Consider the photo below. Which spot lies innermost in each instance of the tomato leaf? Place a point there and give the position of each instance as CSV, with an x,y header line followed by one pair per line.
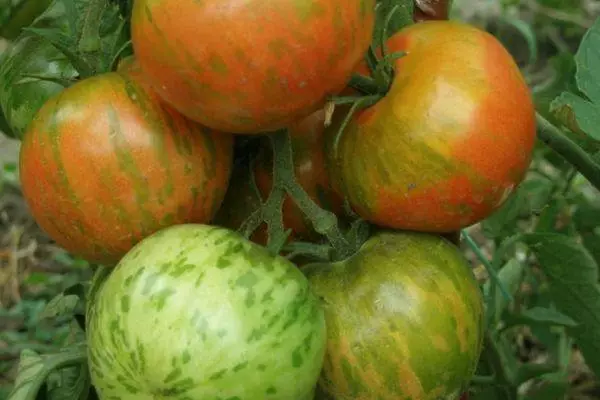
x,y
60,305
588,63
573,276
576,112
34,370
547,316
511,275
73,383
504,221
14,16
90,33
549,215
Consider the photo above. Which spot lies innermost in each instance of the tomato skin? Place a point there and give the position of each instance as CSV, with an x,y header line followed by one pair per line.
x,y
450,141
309,168
250,66
405,320
189,314
104,164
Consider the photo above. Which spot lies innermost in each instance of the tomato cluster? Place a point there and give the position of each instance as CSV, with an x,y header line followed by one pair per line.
x,y
418,139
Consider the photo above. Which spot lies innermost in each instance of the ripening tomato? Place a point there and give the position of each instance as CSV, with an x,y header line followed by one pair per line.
x,y
309,168
449,142
250,66
105,163
405,319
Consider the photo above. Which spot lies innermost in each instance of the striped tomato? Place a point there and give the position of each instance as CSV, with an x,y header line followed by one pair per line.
x,y
104,164
449,142
197,312
250,66
309,168
404,320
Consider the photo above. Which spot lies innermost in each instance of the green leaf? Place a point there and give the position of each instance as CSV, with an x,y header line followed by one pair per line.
x,y
73,384
89,33
60,305
552,387
14,17
549,215
573,276
504,221
511,276
575,112
34,369
547,316
588,63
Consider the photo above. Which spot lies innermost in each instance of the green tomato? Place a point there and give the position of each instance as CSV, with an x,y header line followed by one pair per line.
x,y
31,71
198,312
404,320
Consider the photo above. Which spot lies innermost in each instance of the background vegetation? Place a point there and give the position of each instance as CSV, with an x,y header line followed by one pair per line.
x,y
536,358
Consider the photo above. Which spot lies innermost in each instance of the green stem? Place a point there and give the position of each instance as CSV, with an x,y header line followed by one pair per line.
x,y
364,84
318,251
491,270
569,150
371,59
323,221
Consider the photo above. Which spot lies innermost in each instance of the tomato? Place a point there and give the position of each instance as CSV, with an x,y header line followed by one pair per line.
x,y
198,312
449,142
31,72
250,66
105,163
405,319
309,168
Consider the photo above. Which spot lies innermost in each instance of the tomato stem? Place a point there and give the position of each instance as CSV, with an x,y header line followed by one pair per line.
x,y
569,150
364,84
491,270
323,221
384,32
318,251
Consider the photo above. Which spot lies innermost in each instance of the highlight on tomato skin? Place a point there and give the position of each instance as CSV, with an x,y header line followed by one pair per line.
x,y
448,143
105,163
259,65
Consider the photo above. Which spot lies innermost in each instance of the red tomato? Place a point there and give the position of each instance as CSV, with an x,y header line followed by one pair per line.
x,y
105,163
250,66
449,142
